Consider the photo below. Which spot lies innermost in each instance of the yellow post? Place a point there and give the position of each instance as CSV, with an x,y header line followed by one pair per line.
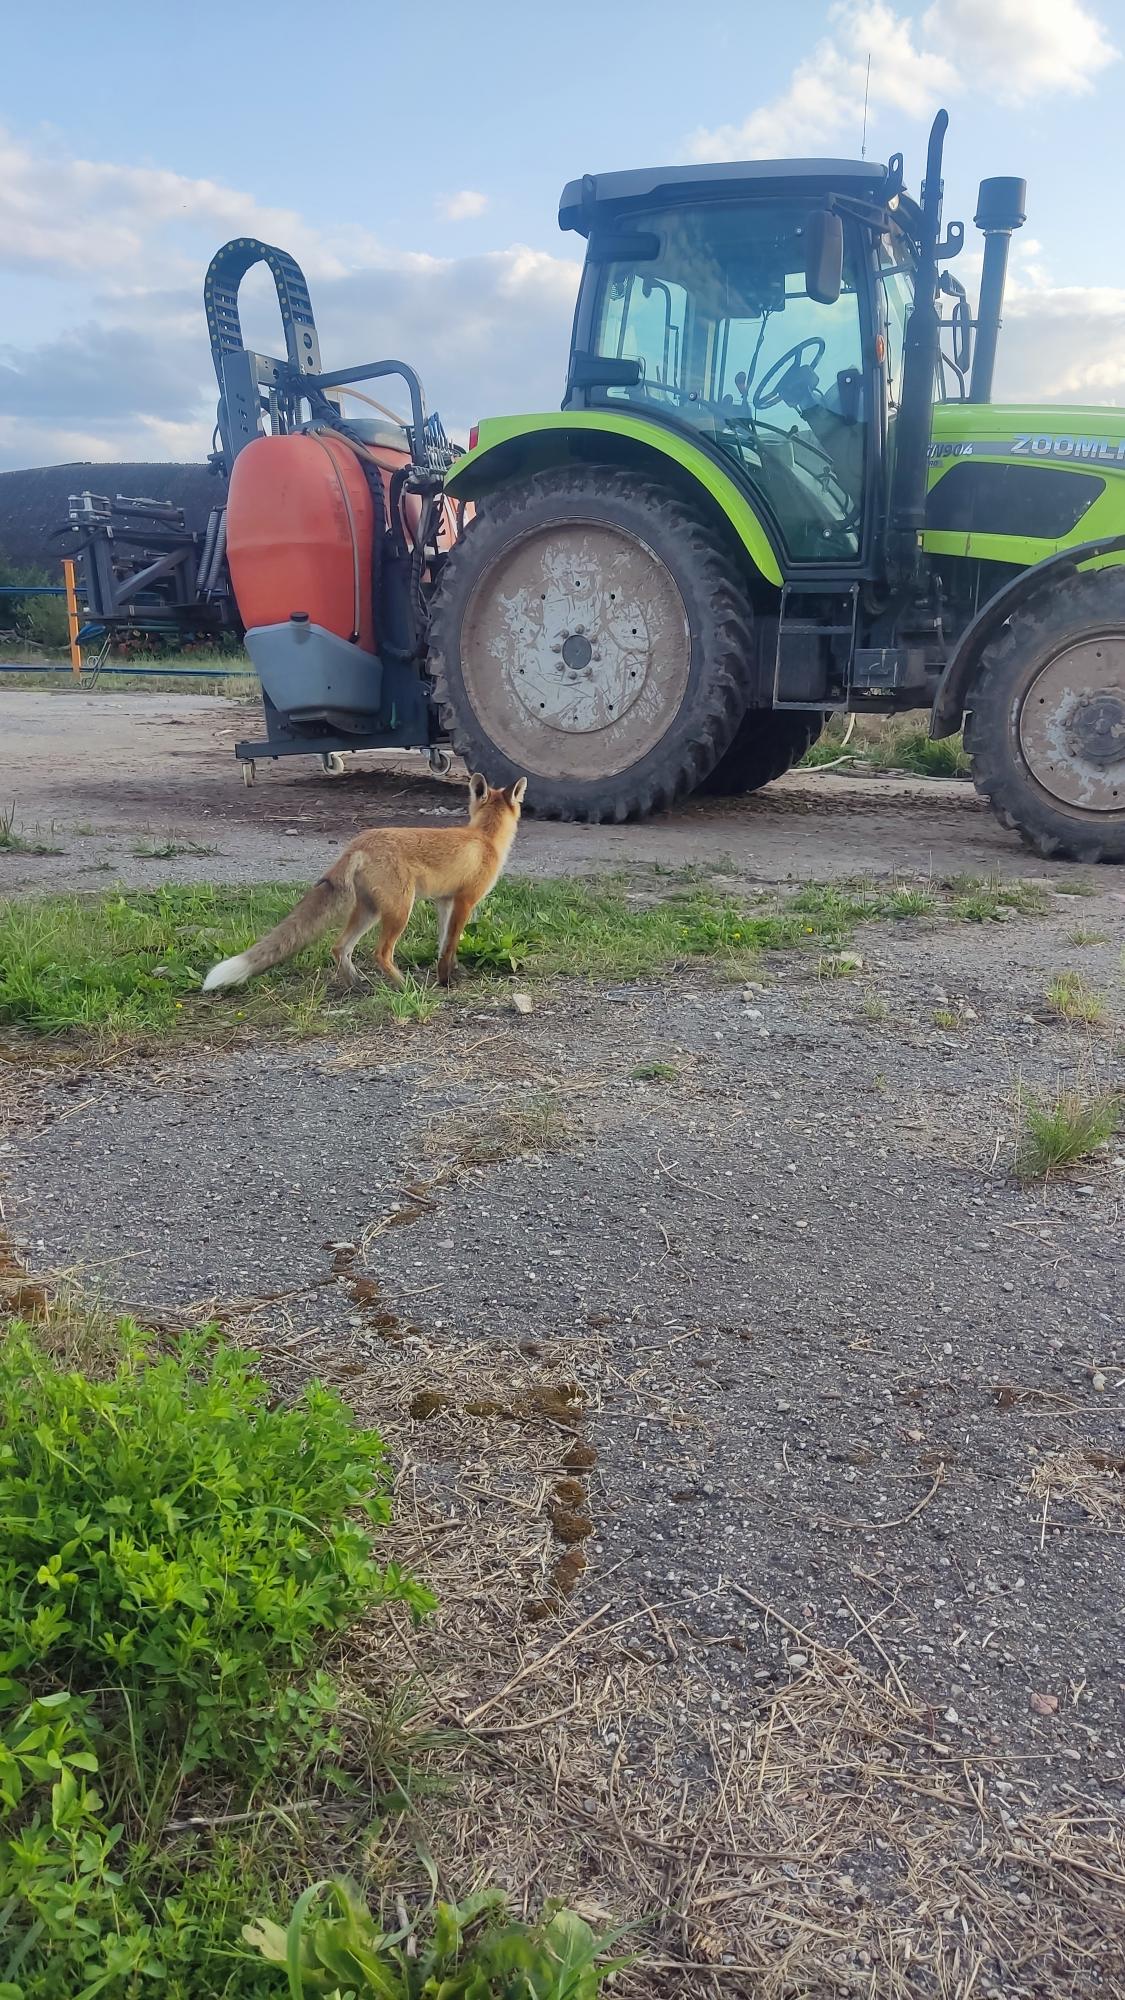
x,y
72,615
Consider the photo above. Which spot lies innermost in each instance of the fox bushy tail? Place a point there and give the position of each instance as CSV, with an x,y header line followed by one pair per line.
x,y
311,917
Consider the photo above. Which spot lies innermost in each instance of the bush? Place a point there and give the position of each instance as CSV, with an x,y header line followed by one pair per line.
x,y
174,1555
476,1951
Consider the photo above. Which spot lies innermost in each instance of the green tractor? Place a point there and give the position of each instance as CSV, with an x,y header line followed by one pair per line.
x,y
751,513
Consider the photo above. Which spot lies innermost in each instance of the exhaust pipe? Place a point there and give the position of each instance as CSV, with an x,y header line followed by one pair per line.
x,y
1001,209
919,372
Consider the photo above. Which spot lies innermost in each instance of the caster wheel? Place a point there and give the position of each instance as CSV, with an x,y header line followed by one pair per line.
x,y
441,763
249,771
332,764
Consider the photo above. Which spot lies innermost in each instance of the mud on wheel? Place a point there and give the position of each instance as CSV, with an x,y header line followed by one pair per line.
x,y
592,633
1046,732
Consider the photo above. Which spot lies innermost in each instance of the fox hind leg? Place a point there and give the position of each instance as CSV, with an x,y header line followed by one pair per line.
x,y
443,908
461,909
364,914
395,916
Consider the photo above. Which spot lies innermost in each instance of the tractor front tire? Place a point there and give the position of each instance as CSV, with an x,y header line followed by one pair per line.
x,y
1046,728
767,743
592,633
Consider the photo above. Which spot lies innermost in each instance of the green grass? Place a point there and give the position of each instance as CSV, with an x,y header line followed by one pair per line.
x,y
825,750
170,849
914,750
1063,1130
655,1072
1072,1000
180,1551
473,1951
130,964
981,899
890,745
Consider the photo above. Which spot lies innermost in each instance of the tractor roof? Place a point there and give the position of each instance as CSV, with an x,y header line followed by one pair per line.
x,y
581,198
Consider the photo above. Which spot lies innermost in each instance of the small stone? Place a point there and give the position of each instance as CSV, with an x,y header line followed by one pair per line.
x,y
1043,1704
522,1003
1097,1381
797,1660
951,1715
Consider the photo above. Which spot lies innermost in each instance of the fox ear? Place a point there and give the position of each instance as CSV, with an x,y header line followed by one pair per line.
x,y
478,786
516,791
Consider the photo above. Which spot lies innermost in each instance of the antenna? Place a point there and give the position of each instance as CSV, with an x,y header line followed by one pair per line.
x,y
866,95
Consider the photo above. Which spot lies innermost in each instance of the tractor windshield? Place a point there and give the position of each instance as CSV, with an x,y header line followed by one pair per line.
x,y
728,341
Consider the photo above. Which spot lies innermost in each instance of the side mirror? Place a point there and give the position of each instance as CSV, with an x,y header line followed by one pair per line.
x,y
962,322
602,371
824,256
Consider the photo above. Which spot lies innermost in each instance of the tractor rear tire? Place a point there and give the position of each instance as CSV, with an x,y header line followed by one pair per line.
x,y
767,743
592,633
1046,729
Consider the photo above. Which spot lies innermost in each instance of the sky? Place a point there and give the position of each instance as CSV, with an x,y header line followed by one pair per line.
x,y
412,160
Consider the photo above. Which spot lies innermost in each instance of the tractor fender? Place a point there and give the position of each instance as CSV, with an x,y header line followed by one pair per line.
x,y
505,446
951,698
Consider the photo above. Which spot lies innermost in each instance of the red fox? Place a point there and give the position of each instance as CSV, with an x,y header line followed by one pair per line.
x,y
377,879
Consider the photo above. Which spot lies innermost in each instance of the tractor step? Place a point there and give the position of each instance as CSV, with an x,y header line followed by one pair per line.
x,y
800,672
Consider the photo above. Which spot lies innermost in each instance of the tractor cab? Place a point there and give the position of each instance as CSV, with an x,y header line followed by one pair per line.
x,y
762,307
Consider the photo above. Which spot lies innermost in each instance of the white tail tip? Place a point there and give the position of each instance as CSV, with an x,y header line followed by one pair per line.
x,y
231,972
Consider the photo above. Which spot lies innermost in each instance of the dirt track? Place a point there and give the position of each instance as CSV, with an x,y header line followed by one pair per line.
x,y
108,772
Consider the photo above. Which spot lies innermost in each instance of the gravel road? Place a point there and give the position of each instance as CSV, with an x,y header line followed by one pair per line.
x,y
835,1359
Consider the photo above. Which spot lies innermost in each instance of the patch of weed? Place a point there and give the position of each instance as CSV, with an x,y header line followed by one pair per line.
x,y
655,1072
1058,1132
1082,936
472,1951
911,903
168,850
980,900
1071,999
12,842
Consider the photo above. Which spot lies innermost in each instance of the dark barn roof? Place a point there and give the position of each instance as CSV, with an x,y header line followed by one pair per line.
x,y
34,503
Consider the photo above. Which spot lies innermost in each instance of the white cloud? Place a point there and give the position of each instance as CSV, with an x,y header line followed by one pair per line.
x,y
61,215
1015,49
129,374
464,206
825,94
1021,49
1062,344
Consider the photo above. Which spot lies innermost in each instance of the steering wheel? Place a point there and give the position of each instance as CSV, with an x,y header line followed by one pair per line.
x,y
767,399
